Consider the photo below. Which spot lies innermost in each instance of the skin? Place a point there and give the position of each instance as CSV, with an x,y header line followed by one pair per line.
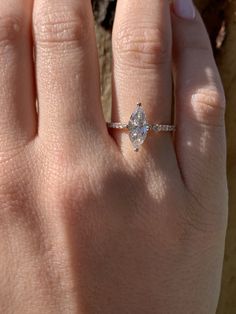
x,y
86,224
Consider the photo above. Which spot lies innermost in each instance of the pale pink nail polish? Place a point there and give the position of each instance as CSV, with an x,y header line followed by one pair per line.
x,y
185,9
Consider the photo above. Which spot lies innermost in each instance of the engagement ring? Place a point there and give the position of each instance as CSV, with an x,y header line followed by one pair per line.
x,y
138,127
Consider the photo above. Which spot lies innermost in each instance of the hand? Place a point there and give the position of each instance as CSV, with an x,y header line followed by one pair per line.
x,y
86,224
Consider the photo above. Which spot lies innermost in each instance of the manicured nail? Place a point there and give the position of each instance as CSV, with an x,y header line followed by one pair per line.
x,y
185,9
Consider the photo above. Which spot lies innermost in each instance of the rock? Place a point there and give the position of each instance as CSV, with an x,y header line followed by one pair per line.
x,y
104,12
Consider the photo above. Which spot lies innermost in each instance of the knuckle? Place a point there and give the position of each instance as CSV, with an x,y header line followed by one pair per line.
x,y
13,188
61,28
11,151
67,189
10,31
209,106
143,46
204,217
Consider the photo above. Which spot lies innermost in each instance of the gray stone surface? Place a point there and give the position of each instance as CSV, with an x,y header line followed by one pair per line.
x,y
104,12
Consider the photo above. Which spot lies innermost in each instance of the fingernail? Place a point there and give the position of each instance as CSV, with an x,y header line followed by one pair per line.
x,y
185,9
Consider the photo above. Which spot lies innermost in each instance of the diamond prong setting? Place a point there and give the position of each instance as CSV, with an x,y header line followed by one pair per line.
x,y
138,127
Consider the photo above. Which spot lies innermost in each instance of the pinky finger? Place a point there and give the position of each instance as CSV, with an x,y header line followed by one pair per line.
x,y
200,107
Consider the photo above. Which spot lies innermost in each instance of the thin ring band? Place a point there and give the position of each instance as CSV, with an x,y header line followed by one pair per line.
x,y
153,127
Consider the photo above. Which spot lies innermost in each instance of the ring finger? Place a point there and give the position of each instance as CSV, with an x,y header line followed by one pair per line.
x,y
142,63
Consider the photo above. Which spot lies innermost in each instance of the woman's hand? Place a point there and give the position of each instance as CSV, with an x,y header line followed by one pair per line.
x,y
86,224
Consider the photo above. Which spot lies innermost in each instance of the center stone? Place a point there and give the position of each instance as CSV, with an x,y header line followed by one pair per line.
x,y
138,127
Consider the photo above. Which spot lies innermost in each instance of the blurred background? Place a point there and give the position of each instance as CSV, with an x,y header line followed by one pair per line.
x,y
220,19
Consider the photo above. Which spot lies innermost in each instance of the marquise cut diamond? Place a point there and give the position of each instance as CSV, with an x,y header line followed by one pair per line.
x,y
138,127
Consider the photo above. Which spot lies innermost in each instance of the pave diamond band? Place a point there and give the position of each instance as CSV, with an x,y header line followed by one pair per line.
x,y
153,127
138,127
117,125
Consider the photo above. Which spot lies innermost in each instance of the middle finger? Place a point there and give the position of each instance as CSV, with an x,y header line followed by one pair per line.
x,y
67,71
